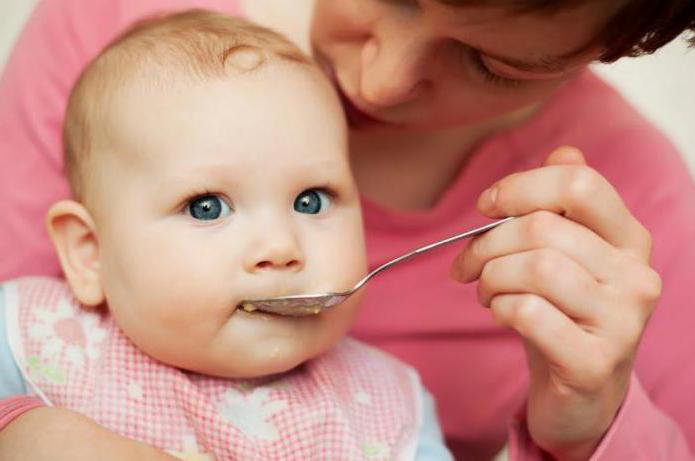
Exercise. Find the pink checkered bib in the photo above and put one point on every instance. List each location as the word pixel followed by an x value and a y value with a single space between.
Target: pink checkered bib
pixel 353 403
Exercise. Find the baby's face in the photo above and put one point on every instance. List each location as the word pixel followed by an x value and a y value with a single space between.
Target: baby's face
pixel 222 191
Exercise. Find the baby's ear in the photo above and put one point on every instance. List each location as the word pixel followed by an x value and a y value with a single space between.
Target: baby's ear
pixel 74 237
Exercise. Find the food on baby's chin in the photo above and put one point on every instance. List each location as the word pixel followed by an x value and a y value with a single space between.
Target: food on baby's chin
pixel 248 307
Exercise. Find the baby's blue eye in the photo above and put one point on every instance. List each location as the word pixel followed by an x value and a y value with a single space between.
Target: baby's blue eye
pixel 208 208
pixel 312 201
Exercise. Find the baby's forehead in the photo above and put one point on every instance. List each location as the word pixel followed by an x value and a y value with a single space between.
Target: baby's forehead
pixel 245 99
pixel 275 111
pixel 138 85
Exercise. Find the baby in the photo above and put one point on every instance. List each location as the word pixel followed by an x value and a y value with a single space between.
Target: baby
pixel 208 161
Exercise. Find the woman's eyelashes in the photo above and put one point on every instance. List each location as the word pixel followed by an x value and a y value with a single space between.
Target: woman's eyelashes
pixel 209 207
pixel 407 3
pixel 313 201
pixel 474 57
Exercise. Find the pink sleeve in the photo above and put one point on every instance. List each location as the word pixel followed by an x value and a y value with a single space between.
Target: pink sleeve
pixel 59 39
pixel 657 419
pixel 640 432
pixel 14 407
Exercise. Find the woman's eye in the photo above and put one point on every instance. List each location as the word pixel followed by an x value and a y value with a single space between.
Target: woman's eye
pixel 312 201
pixel 481 69
pixel 208 208
pixel 409 3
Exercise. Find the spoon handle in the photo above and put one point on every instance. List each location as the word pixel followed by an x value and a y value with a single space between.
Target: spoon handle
pixel 424 249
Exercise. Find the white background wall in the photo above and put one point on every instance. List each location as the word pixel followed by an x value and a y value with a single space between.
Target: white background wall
pixel 662 86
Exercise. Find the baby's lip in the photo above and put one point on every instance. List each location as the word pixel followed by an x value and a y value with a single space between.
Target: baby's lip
pixel 269 294
pixel 275 292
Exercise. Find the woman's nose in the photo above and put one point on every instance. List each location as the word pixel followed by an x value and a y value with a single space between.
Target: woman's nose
pixel 274 251
pixel 392 70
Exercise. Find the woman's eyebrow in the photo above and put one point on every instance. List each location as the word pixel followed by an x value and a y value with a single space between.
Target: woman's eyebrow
pixel 546 64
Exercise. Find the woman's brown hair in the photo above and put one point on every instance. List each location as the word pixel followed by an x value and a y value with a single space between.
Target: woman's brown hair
pixel 638 27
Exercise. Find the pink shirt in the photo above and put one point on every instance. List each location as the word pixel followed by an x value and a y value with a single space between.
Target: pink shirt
pixel 476 370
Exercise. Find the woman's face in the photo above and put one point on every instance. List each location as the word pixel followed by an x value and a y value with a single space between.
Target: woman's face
pixel 423 65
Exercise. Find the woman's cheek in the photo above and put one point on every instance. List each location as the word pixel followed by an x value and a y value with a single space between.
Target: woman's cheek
pixel 342 19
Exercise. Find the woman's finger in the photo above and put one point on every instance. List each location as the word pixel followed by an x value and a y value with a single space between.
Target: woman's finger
pixel 575 191
pixel 540 229
pixel 549 274
pixel 554 334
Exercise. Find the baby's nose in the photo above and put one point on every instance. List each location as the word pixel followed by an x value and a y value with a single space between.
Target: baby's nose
pixel 276 253
pixel 278 263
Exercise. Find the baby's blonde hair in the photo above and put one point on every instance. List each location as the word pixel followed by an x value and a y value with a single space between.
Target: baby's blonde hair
pixel 194 44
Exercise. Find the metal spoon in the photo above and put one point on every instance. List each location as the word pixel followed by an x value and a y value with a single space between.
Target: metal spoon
pixel 302 305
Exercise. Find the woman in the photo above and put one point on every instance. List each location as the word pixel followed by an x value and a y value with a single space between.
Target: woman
pixel 454 105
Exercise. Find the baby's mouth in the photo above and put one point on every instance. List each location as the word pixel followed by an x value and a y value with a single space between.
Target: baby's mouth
pixel 289 298
pixel 247 307
pixel 284 303
pixel 248 310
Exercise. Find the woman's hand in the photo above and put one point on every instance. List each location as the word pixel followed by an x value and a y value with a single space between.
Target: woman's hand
pixel 55 434
pixel 571 275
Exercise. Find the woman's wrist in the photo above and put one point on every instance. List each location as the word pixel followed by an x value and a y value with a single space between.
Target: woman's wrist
pixel 591 422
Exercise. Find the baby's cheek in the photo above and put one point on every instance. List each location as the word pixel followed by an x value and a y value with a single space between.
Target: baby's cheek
pixel 350 261
pixel 164 304
pixel 170 328
pixel 343 250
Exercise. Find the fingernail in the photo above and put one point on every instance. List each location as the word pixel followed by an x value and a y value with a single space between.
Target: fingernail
pixel 489 198
pixel 456 272
pixel 567 150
